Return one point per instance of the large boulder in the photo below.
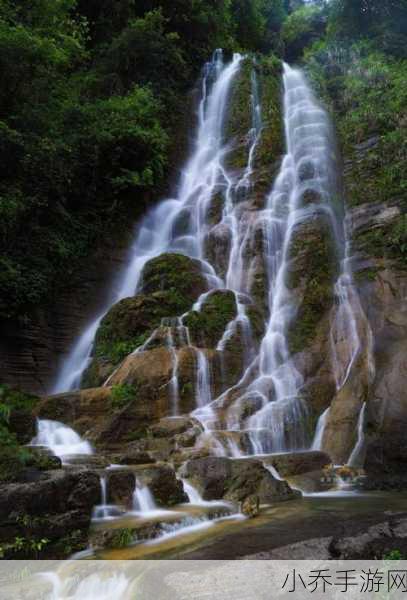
(56, 507)
(120, 487)
(298, 463)
(162, 482)
(236, 480)
(177, 274)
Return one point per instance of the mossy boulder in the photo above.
(171, 283)
(208, 326)
(177, 275)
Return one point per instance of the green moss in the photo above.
(170, 285)
(314, 269)
(240, 118)
(271, 145)
(178, 276)
(122, 394)
(13, 457)
(369, 274)
(388, 242)
(122, 538)
(257, 321)
(207, 327)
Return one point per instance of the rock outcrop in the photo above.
(236, 480)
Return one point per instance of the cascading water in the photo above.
(270, 383)
(356, 458)
(60, 439)
(160, 231)
(143, 500)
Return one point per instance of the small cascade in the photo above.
(60, 439)
(356, 458)
(203, 380)
(105, 511)
(174, 379)
(245, 182)
(143, 500)
(320, 430)
(194, 496)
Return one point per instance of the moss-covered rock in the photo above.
(312, 273)
(178, 275)
(208, 326)
(171, 283)
(240, 119)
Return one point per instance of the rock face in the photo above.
(382, 285)
(299, 463)
(236, 480)
(166, 489)
(57, 506)
(31, 350)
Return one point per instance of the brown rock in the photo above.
(298, 463)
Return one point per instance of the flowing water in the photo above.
(270, 379)
(60, 439)
(264, 412)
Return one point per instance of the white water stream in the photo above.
(270, 383)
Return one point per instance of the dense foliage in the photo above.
(91, 91)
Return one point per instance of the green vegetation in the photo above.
(91, 95)
(24, 547)
(122, 394)
(312, 274)
(207, 326)
(17, 427)
(123, 538)
(394, 555)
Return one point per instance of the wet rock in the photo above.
(57, 507)
(166, 489)
(217, 248)
(235, 479)
(298, 463)
(134, 457)
(250, 507)
(82, 410)
(175, 272)
(171, 426)
(22, 424)
(208, 326)
(120, 487)
(311, 274)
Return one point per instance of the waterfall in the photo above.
(143, 500)
(161, 231)
(264, 412)
(356, 457)
(194, 496)
(308, 165)
(320, 430)
(60, 439)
